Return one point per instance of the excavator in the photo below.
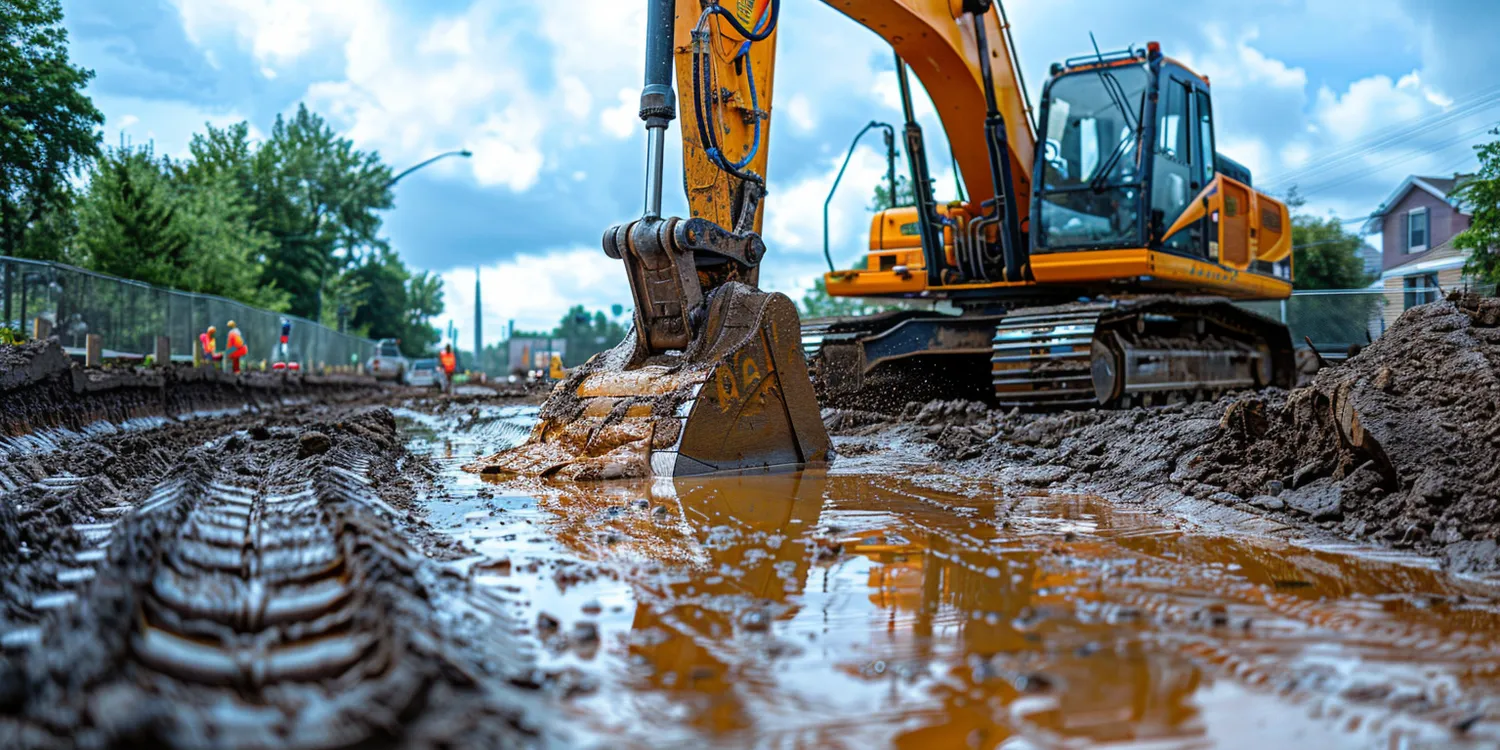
(1093, 262)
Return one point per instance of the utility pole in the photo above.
(478, 321)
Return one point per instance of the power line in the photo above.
(1471, 104)
(1388, 163)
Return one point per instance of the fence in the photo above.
(129, 315)
(1336, 318)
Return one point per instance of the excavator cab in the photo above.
(1126, 153)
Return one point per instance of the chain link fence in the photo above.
(1335, 319)
(129, 315)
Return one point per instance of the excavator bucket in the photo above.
(737, 399)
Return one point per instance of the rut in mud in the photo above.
(262, 593)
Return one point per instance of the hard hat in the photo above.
(211, 329)
(231, 324)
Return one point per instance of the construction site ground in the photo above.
(199, 561)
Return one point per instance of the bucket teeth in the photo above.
(738, 399)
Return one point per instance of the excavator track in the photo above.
(1041, 358)
(1136, 350)
(1112, 353)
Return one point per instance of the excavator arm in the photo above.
(713, 376)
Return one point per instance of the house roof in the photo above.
(1440, 187)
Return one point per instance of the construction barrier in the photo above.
(129, 317)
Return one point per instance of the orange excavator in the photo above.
(1094, 261)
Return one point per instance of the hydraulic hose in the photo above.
(702, 78)
(890, 146)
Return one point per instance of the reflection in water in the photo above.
(815, 610)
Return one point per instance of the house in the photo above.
(1417, 225)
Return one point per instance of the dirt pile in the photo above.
(40, 389)
(1401, 443)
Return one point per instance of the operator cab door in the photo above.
(1184, 162)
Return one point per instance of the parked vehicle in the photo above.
(424, 373)
(388, 362)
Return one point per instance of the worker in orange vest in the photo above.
(234, 346)
(449, 363)
(206, 339)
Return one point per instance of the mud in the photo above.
(260, 594)
(1399, 445)
(40, 390)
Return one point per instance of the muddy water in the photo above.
(871, 609)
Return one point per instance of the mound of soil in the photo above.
(40, 388)
(1401, 443)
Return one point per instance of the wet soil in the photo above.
(264, 591)
(1399, 445)
(895, 603)
(41, 390)
(960, 578)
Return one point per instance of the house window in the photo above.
(1416, 230)
(1420, 290)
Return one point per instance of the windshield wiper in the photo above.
(1101, 179)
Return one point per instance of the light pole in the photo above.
(465, 153)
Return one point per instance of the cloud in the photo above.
(1372, 103)
(167, 126)
(623, 119)
(534, 290)
(543, 91)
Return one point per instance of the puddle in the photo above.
(858, 609)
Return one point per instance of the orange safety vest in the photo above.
(450, 362)
(208, 344)
(236, 345)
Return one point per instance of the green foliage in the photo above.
(1324, 254)
(156, 221)
(587, 334)
(47, 128)
(128, 222)
(313, 194)
(11, 336)
(289, 224)
(389, 302)
(1480, 197)
(905, 196)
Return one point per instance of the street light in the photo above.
(465, 153)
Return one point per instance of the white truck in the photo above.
(388, 362)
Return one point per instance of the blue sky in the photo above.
(544, 93)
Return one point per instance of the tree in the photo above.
(1480, 197)
(391, 303)
(226, 250)
(587, 334)
(905, 196)
(153, 220)
(128, 222)
(1324, 254)
(48, 128)
(312, 193)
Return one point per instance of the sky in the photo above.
(1343, 99)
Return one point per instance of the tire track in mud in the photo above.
(262, 595)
